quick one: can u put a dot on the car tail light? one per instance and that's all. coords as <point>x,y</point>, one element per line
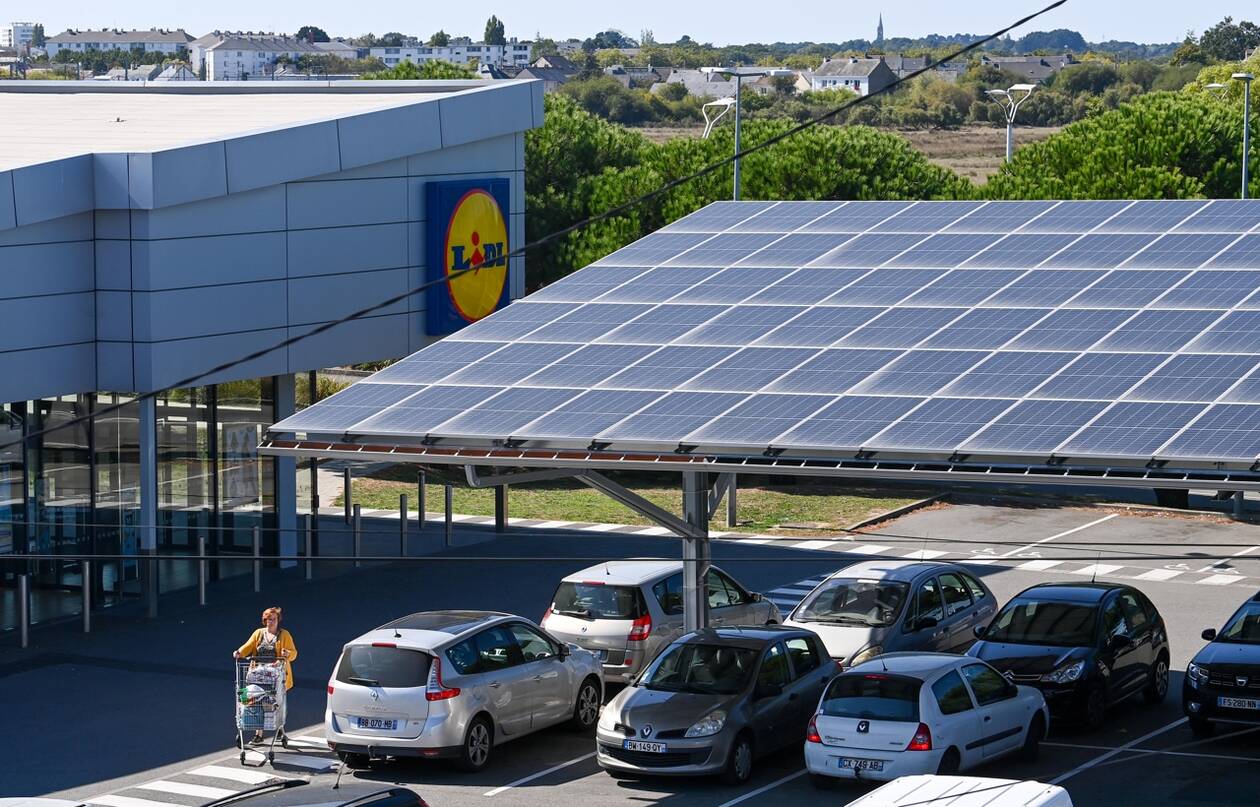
<point>383,644</point>
<point>546,614</point>
<point>922,740</point>
<point>811,735</point>
<point>435,690</point>
<point>330,689</point>
<point>640,629</point>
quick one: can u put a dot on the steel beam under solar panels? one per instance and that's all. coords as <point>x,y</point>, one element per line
<point>1070,335</point>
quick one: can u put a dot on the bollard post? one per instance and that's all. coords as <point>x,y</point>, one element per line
<point>358,535</point>
<point>402,524</point>
<point>257,559</point>
<point>24,610</point>
<point>86,566</point>
<point>732,518</point>
<point>500,508</point>
<point>449,494</point>
<point>1240,505</point>
<point>347,493</point>
<point>201,570</point>
<point>420,502</point>
<point>310,544</point>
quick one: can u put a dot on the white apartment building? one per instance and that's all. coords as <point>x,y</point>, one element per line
<point>238,56</point>
<point>154,39</point>
<point>17,35</point>
<point>475,53</point>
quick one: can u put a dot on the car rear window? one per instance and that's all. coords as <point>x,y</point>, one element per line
<point>595,600</point>
<point>369,665</point>
<point>873,696</point>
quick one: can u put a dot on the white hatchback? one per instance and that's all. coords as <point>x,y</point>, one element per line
<point>914,713</point>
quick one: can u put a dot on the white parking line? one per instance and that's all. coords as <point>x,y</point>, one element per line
<point>754,540</point>
<point>605,527</point>
<point>762,789</point>
<point>1156,752</point>
<point>653,531</point>
<point>185,789</point>
<point>1158,575</point>
<point>1116,751</point>
<point>126,801</point>
<point>1096,570</point>
<point>925,554</point>
<point>1063,534</point>
<point>538,775</point>
<point>1221,564</point>
<point>815,544</point>
<point>1039,565</point>
<point>234,774</point>
<point>869,549</point>
<point>552,525</point>
<point>1220,579</point>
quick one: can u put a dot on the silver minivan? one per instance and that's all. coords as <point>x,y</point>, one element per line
<point>455,684</point>
<point>627,611</point>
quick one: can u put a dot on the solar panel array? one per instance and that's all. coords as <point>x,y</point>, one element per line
<point>1087,330</point>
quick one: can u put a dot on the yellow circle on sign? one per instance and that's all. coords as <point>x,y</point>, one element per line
<point>476,240</point>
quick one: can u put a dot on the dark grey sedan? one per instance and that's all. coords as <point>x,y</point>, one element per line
<point>715,700</point>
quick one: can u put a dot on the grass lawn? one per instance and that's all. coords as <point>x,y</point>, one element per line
<point>808,509</point>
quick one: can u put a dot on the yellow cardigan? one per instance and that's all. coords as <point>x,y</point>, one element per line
<point>284,641</point>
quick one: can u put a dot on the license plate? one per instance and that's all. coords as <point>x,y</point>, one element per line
<point>640,745</point>
<point>851,764</point>
<point>377,723</point>
<point>1238,703</point>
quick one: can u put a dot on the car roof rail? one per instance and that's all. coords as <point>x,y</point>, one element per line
<point>389,792</point>
<point>266,787</point>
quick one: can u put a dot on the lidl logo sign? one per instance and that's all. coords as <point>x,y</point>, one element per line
<point>467,244</point>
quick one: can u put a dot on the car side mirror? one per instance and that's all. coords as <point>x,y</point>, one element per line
<point>756,597</point>
<point>925,622</point>
<point>767,691</point>
<point>1210,634</point>
<point>980,631</point>
<point>1120,643</point>
<point>564,652</point>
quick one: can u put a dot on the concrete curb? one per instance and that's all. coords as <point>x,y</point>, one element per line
<point>895,512</point>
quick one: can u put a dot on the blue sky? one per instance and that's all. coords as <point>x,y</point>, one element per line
<point>721,23</point>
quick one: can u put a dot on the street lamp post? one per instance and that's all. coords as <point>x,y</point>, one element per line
<point>1246,79</point>
<point>739,74</point>
<point>1010,104</point>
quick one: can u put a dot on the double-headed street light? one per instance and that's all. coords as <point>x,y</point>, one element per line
<point>1010,100</point>
<point>1246,79</point>
<point>739,74</point>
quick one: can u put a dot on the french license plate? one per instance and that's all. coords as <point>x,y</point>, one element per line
<point>640,745</point>
<point>1238,703</point>
<point>377,723</point>
<point>851,764</point>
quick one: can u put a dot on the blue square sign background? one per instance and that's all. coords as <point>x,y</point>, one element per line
<point>441,200</point>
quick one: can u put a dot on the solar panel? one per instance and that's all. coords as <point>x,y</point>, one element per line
<point>1094,331</point>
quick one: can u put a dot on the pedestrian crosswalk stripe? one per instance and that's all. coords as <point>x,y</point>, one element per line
<point>125,801</point>
<point>815,544</point>
<point>654,531</point>
<point>869,549</point>
<point>1096,569</point>
<point>1158,574</point>
<point>308,742</point>
<point>606,528</point>
<point>1039,565</point>
<point>1220,579</point>
<point>925,554</point>
<point>234,774</point>
<point>185,789</point>
<point>754,540</point>
<point>552,525</point>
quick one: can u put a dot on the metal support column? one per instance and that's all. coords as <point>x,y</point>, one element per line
<point>257,559</point>
<point>24,610</point>
<point>402,524</point>
<point>448,494</point>
<point>732,517</point>
<point>1240,505</point>
<point>500,508</point>
<point>201,570</point>
<point>357,520</point>
<point>696,550</point>
<point>420,502</point>
<point>346,492</point>
<point>284,390</point>
<point>148,500</point>
<point>310,546</point>
<point>86,566</point>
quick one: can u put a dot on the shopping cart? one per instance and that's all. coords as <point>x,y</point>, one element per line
<point>260,704</point>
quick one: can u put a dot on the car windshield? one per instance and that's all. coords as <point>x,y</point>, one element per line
<point>1244,628</point>
<point>595,600</point>
<point>870,603</point>
<point>1061,624</point>
<point>702,668</point>
<point>873,696</point>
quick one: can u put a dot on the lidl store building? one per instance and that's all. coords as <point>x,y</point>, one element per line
<point>150,234</point>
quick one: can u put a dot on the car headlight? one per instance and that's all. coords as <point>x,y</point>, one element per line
<point>1065,675</point>
<point>607,719</point>
<point>1197,674</point>
<point>865,655</point>
<point>709,725</point>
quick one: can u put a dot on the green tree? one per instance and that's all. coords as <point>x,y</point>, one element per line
<point>1228,41</point>
<point>37,36</point>
<point>392,39</point>
<point>545,46</point>
<point>427,71</point>
<point>1189,52</point>
<point>440,40</point>
<point>494,32</point>
<point>312,33</point>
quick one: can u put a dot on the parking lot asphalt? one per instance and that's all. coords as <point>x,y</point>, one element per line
<point>166,719</point>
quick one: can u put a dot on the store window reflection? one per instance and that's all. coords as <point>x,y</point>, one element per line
<point>246,480</point>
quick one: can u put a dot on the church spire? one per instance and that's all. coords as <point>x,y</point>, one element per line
<point>879,32</point>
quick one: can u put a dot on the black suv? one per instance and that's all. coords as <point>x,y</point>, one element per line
<point>1223,681</point>
<point>1086,646</point>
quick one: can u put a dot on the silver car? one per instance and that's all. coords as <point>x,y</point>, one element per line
<point>455,684</point>
<point>715,700</point>
<point>882,606</point>
<point>627,611</point>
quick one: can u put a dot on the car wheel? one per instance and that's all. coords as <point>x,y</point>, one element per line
<point>949,763</point>
<point>1201,728</point>
<point>1157,689</point>
<point>586,710</point>
<point>1094,712</point>
<point>1032,740</point>
<point>355,762</point>
<point>739,762</point>
<point>822,782</point>
<point>478,741</point>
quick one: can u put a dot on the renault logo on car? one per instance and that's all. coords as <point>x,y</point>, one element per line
<point>1241,680</point>
<point>864,727</point>
<point>646,731</point>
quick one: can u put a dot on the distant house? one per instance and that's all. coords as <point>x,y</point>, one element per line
<point>698,84</point>
<point>175,72</point>
<point>155,39</point>
<point>228,56</point>
<point>801,82</point>
<point>631,76</point>
<point>551,77</point>
<point>1034,69</point>
<point>338,49</point>
<point>903,66</point>
<point>498,71</point>
<point>862,76</point>
<point>141,72</point>
<point>555,60</point>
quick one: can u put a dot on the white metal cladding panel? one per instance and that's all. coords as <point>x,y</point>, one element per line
<point>56,268</point>
<point>253,212</point>
<point>342,203</point>
<point>159,365</point>
<point>345,343</point>
<point>41,372</point>
<point>36,322</point>
<point>176,176</point>
<point>327,297</point>
<point>113,263</point>
<point>270,158</point>
<point>177,263</point>
<point>77,227</point>
<point>240,308</point>
<point>53,190</point>
<point>113,316</point>
<point>341,250</point>
<point>8,213</point>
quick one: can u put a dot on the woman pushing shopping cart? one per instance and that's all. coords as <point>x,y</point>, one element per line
<point>264,674</point>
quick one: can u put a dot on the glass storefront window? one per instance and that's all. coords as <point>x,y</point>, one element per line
<point>246,480</point>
